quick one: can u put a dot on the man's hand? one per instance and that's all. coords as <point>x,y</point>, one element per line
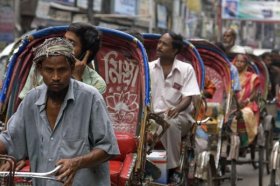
<point>80,66</point>
<point>172,113</point>
<point>68,170</point>
<point>6,166</point>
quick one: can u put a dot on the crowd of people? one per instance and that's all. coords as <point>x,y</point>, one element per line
<point>63,119</point>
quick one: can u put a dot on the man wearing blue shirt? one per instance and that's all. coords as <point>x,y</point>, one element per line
<point>62,122</point>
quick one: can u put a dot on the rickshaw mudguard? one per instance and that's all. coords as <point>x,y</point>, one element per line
<point>202,164</point>
<point>274,158</point>
<point>234,147</point>
<point>268,121</point>
<point>261,136</point>
<point>122,62</point>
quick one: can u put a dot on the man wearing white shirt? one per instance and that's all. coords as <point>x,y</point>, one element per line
<point>173,84</point>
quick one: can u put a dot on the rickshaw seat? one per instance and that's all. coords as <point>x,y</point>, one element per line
<point>120,166</point>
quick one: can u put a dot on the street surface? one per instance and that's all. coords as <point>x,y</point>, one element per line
<point>249,176</point>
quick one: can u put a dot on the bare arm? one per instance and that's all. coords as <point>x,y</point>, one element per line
<point>183,105</point>
<point>71,166</point>
<point>3,149</point>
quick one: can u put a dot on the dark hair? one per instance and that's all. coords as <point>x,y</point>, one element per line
<point>178,41</point>
<point>136,34</point>
<point>264,55</point>
<point>232,31</point>
<point>89,37</point>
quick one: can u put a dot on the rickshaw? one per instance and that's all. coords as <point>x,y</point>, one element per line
<point>188,54</point>
<point>217,70</point>
<point>265,120</point>
<point>123,64</point>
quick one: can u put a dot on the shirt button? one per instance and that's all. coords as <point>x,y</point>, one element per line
<point>51,138</point>
<point>50,159</point>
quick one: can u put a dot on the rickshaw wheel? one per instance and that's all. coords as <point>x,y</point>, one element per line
<point>253,153</point>
<point>233,179</point>
<point>211,175</point>
<point>273,178</point>
<point>261,164</point>
<point>268,148</point>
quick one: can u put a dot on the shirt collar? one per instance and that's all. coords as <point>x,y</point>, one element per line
<point>43,95</point>
<point>175,64</point>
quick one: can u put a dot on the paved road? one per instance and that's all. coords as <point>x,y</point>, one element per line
<point>249,175</point>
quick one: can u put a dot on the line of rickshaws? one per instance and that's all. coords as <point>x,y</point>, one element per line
<point>123,63</point>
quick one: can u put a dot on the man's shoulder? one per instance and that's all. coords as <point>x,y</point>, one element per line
<point>36,91</point>
<point>183,65</point>
<point>84,88</point>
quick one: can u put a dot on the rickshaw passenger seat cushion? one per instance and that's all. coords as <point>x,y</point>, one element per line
<point>127,144</point>
<point>26,168</point>
<point>120,166</point>
<point>126,169</point>
<point>115,170</point>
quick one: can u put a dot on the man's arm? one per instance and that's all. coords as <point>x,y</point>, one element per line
<point>3,149</point>
<point>70,166</point>
<point>183,105</point>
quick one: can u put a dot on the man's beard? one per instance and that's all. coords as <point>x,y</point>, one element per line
<point>54,95</point>
<point>228,44</point>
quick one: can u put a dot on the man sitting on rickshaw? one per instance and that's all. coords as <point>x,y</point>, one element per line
<point>247,98</point>
<point>173,84</point>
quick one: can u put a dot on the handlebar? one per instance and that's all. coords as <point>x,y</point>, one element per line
<point>204,120</point>
<point>42,175</point>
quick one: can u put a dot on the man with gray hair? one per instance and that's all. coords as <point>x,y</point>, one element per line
<point>62,122</point>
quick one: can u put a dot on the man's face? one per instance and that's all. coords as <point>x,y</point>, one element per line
<point>56,72</point>
<point>228,38</point>
<point>267,60</point>
<point>76,42</point>
<point>165,48</point>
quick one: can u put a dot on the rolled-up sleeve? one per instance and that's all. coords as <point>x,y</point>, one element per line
<point>14,137</point>
<point>190,86</point>
<point>101,129</point>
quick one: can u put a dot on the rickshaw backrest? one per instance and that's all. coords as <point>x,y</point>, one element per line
<point>123,65</point>
<point>257,66</point>
<point>217,68</point>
